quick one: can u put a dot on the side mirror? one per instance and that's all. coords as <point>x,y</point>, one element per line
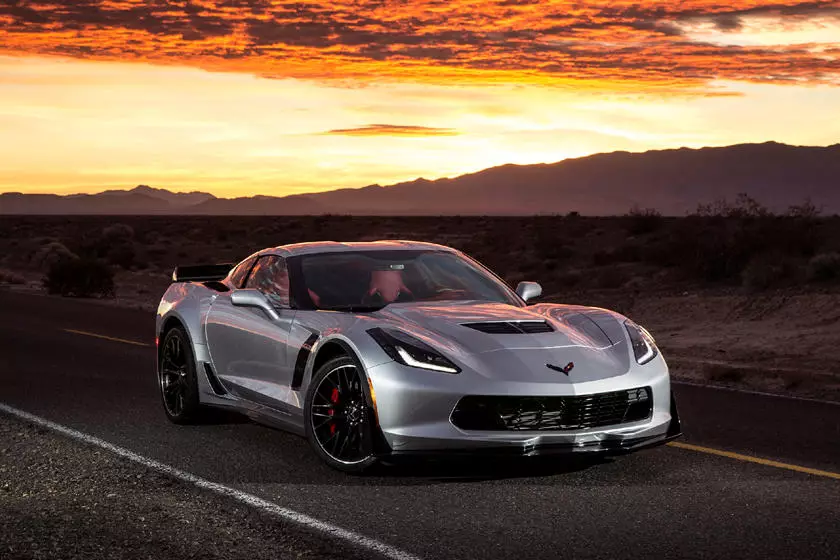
<point>254,298</point>
<point>528,290</point>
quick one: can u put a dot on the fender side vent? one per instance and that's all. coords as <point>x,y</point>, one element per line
<point>215,383</point>
<point>302,358</point>
<point>511,327</point>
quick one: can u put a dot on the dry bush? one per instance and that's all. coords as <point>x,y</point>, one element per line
<point>122,255</point>
<point>824,268</point>
<point>52,253</point>
<point>744,207</point>
<point>769,271</point>
<point>643,220</point>
<point>9,277</point>
<point>80,278</point>
<point>807,210</point>
<point>719,250</point>
<point>118,232</point>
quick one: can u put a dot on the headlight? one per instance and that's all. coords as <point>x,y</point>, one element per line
<point>409,351</point>
<point>644,347</point>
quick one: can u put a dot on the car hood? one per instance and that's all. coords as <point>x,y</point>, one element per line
<point>592,339</point>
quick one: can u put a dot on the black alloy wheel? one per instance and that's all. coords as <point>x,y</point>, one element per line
<point>340,422</point>
<point>177,379</point>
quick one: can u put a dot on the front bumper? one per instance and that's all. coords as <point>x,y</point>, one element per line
<point>608,445</point>
<point>414,416</point>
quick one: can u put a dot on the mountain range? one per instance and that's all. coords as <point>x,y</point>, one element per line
<point>673,182</point>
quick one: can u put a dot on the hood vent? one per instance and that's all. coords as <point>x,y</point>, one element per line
<point>511,327</point>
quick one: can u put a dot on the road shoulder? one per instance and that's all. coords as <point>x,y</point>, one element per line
<point>64,499</point>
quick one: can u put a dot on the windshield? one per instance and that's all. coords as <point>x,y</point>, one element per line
<point>367,280</point>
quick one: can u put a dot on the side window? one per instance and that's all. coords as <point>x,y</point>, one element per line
<point>237,277</point>
<point>271,277</point>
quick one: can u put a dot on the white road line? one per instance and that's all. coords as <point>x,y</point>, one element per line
<point>304,520</point>
<point>751,392</point>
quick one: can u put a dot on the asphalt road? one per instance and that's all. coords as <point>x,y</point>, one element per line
<point>665,502</point>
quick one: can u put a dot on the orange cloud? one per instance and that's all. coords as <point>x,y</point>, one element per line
<point>616,44</point>
<point>393,130</point>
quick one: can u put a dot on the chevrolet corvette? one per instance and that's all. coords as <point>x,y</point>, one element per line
<point>383,349</point>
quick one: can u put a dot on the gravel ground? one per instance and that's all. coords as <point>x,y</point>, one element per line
<point>64,499</point>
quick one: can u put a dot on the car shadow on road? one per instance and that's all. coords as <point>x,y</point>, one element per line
<point>480,469</point>
<point>271,455</point>
<point>220,417</point>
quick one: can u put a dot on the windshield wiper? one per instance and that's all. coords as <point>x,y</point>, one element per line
<point>353,308</point>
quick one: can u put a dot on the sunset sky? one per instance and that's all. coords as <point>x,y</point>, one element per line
<point>242,97</point>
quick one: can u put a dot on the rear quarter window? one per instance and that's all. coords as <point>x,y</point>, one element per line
<point>240,273</point>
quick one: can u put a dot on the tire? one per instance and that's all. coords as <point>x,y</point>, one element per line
<point>177,378</point>
<point>342,428</point>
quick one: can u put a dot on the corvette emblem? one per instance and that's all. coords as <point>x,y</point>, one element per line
<point>566,369</point>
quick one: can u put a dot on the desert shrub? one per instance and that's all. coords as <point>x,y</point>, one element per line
<point>643,220</point>
<point>795,236</point>
<point>143,235</point>
<point>768,271</point>
<point>121,254</point>
<point>824,267</point>
<point>717,249</point>
<point>118,232</point>
<point>744,207</point>
<point>115,244</point>
<point>9,277</point>
<point>753,227</point>
<point>715,257</point>
<point>660,252</point>
<point>80,278</point>
<point>51,254</point>
<point>807,210</point>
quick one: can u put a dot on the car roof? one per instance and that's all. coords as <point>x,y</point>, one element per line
<point>342,247</point>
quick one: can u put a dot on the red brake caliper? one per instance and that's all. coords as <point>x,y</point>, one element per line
<point>334,399</point>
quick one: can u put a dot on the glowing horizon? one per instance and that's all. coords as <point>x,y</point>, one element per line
<point>243,98</point>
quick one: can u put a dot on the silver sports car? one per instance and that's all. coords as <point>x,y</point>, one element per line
<point>391,348</point>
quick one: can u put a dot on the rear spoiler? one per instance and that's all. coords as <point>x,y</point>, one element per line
<point>201,272</point>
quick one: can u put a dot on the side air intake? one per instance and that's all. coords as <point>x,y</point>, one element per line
<point>511,327</point>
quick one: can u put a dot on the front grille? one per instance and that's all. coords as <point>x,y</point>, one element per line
<point>576,412</point>
<point>511,327</point>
